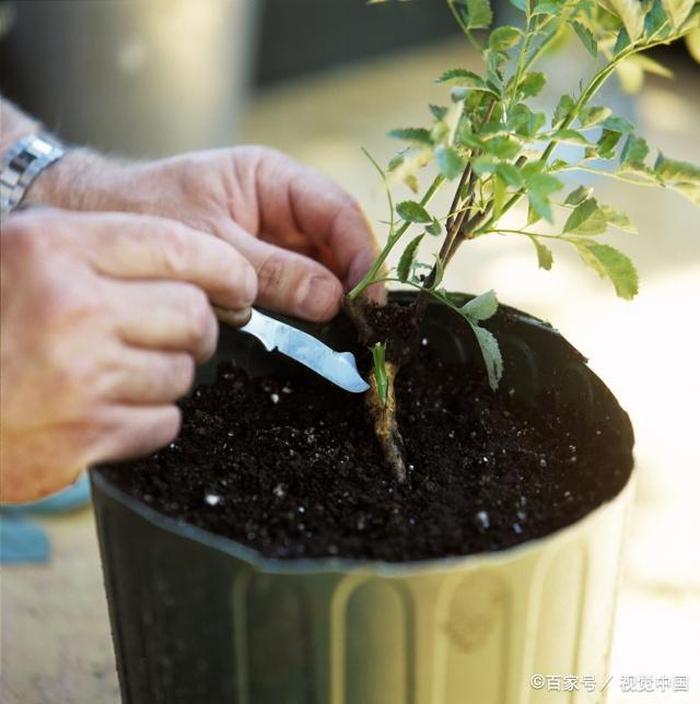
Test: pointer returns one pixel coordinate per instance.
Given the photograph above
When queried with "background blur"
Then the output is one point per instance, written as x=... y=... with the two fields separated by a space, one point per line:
x=319 y=79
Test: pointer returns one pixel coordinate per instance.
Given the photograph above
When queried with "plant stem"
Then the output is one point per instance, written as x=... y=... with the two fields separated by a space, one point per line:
x=369 y=278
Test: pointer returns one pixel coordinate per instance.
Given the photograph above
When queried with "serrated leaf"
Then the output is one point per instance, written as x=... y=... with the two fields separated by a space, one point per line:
x=571 y=136
x=618 y=219
x=634 y=151
x=380 y=377
x=438 y=111
x=510 y=174
x=544 y=253
x=586 y=219
x=631 y=12
x=531 y=84
x=692 y=40
x=564 y=107
x=593 y=115
x=499 y=194
x=532 y=215
x=503 y=38
x=411 y=211
x=618 y=124
x=578 y=195
x=540 y=186
x=586 y=37
x=449 y=162
x=502 y=147
x=610 y=262
x=606 y=145
x=677 y=10
x=435 y=228
x=621 y=42
x=525 y=122
x=395 y=162
x=419 y=135
x=656 y=22
x=406 y=261
x=482 y=307
x=546 y=8
x=477 y=14
x=490 y=352
x=679 y=175
x=460 y=77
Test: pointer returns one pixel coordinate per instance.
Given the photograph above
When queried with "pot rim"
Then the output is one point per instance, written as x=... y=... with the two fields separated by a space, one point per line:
x=318 y=565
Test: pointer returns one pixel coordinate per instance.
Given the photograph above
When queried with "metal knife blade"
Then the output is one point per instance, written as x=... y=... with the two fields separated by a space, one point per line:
x=338 y=367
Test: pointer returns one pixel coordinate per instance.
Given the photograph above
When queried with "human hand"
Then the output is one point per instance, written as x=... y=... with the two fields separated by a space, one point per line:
x=305 y=236
x=103 y=317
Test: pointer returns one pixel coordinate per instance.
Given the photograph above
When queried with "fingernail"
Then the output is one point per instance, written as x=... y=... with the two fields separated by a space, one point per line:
x=321 y=299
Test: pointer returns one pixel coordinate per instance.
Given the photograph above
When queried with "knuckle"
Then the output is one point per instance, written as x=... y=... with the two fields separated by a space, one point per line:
x=183 y=369
x=175 y=252
x=199 y=314
x=271 y=274
x=23 y=237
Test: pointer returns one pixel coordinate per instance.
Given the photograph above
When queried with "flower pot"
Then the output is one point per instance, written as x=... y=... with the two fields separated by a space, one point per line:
x=197 y=617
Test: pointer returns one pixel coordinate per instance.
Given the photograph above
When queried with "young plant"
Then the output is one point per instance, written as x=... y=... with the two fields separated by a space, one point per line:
x=501 y=152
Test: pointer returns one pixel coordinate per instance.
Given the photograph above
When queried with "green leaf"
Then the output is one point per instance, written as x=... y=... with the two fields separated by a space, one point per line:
x=502 y=147
x=678 y=10
x=634 y=151
x=524 y=122
x=656 y=21
x=438 y=111
x=531 y=84
x=622 y=41
x=412 y=134
x=618 y=124
x=547 y=8
x=499 y=194
x=460 y=77
x=505 y=37
x=540 y=186
x=435 y=228
x=380 y=377
x=586 y=37
x=449 y=162
x=605 y=147
x=618 y=219
x=532 y=215
x=510 y=174
x=571 y=136
x=544 y=253
x=610 y=262
x=578 y=195
x=564 y=107
x=491 y=353
x=407 y=258
x=593 y=115
x=477 y=14
x=679 y=175
x=411 y=211
x=631 y=12
x=522 y=5
x=692 y=40
x=586 y=219
x=482 y=307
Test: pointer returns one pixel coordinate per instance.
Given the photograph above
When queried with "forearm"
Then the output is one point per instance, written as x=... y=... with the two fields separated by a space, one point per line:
x=71 y=182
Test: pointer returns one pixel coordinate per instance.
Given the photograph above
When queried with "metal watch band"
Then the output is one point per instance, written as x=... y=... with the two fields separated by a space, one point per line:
x=22 y=163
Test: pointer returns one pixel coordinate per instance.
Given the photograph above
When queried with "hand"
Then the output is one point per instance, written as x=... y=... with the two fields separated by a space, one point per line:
x=305 y=236
x=103 y=317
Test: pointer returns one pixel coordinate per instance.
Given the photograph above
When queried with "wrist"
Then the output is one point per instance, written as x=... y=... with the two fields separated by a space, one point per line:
x=68 y=183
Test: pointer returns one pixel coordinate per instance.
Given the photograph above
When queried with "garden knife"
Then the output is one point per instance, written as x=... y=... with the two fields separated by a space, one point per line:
x=338 y=367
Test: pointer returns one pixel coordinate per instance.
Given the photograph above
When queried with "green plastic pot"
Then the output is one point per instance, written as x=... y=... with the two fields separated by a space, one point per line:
x=198 y=618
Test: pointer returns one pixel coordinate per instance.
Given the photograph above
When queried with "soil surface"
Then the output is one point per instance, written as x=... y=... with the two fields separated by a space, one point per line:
x=291 y=467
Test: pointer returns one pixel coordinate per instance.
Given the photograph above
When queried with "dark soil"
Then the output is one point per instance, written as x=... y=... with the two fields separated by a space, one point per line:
x=290 y=466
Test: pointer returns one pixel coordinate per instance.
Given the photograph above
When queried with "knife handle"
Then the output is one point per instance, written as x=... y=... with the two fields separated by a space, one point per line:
x=235 y=318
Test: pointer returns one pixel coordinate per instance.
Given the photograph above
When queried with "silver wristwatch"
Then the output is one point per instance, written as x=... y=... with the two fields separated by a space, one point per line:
x=22 y=163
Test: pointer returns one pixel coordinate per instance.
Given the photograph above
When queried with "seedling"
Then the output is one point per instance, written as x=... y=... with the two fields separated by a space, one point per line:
x=501 y=152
